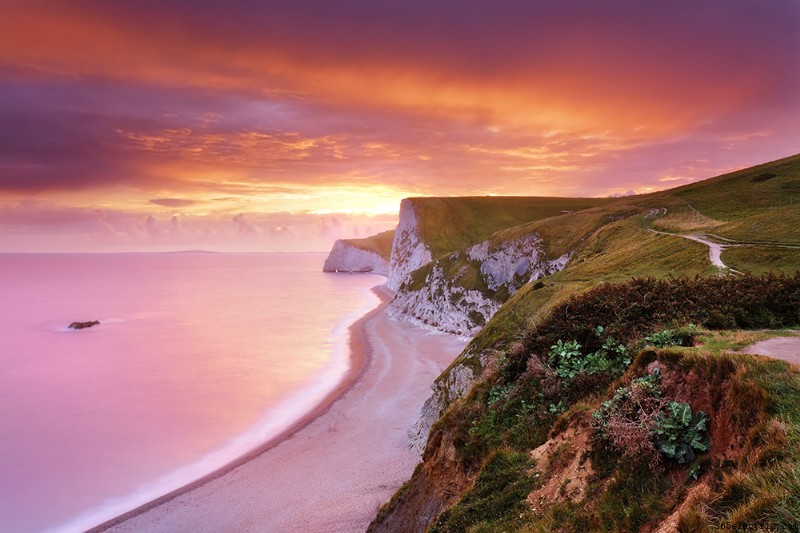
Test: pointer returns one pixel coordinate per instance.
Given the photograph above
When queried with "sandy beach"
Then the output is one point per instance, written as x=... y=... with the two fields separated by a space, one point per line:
x=336 y=467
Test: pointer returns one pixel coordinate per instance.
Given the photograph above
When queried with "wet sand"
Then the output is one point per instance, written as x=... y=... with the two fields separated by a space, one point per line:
x=335 y=468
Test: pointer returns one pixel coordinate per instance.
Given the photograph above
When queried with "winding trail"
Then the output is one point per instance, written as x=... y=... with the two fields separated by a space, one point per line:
x=714 y=249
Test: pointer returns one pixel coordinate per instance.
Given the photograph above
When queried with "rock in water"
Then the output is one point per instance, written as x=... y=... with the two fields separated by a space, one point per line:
x=82 y=325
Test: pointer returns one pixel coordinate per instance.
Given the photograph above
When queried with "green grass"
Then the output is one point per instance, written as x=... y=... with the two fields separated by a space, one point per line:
x=719 y=342
x=780 y=225
x=380 y=243
x=495 y=500
x=762 y=259
x=451 y=224
x=764 y=492
x=747 y=192
x=755 y=205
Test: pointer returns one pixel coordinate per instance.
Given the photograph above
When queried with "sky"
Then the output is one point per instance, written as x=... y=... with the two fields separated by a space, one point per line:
x=258 y=125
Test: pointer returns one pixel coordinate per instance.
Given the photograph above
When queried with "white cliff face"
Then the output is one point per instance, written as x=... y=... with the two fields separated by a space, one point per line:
x=442 y=304
x=345 y=257
x=408 y=251
x=450 y=386
x=513 y=264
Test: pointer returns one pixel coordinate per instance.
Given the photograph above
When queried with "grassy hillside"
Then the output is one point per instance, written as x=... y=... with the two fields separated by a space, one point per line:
x=752 y=212
x=380 y=243
x=613 y=242
x=755 y=208
x=745 y=193
x=480 y=469
x=450 y=224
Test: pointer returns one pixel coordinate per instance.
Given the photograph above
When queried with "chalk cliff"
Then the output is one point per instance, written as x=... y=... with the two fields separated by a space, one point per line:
x=370 y=254
x=344 y=257
x=459 y=293
x=409 y=252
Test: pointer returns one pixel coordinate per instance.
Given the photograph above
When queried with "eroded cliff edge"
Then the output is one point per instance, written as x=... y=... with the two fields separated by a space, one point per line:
x=361 y=255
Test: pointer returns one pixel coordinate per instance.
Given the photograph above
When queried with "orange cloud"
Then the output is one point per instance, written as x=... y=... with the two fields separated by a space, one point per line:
x=592 y=77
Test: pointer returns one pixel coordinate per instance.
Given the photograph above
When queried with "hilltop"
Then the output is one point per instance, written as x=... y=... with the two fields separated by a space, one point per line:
x=497 y=269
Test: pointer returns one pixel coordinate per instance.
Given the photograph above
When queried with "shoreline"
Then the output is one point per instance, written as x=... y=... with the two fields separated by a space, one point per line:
x=336 y=467
x=360 y=355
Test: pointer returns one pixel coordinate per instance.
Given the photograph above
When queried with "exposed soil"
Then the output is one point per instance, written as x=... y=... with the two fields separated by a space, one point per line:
x=564 y=464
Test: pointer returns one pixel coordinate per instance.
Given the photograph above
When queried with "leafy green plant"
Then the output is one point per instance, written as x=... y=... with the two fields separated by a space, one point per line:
x=662 y=339
x=568 y=361
x=683 y=336
x=497 y=394
x=678 y=432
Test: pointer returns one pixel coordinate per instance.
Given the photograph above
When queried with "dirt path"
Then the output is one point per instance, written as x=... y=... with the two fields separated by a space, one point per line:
x=784 y=348
x=714 y=249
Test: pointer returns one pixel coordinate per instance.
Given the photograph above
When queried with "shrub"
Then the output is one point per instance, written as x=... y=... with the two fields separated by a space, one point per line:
x=626 y=420
x=641 y=307
x=662 y=339
x=641 y=424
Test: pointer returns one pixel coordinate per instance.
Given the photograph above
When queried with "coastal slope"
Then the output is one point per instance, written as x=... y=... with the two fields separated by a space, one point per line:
x=751 y=214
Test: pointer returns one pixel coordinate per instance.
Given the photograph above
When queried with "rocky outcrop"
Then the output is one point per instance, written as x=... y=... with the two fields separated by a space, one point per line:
x=451 y=385
x=461 y=292
x=83 y=325
x=346 y=257
x=409 y=252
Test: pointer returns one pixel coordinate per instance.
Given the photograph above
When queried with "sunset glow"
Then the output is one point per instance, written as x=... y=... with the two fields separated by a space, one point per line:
x=282 y=125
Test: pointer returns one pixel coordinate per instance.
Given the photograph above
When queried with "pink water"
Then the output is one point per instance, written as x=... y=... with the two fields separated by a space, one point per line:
x=198 y=359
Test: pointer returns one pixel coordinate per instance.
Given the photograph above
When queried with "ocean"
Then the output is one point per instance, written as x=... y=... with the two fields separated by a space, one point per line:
x=199 y=358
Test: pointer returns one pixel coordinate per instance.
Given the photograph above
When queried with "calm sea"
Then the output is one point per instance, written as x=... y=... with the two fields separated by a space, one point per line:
x=198 y=359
